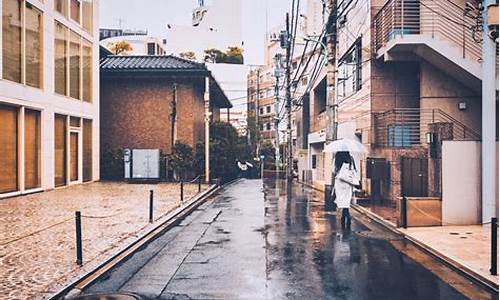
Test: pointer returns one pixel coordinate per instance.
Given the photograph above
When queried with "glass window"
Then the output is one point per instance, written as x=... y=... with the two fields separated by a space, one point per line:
x=11 y=40
x=61 y=6
x=87 y=70
x=74 y=122
x=34 y=61
x=87 y=15
x=87 y=150
x=399 y=136
x=268 y=109
x=151 y=49
x=74 y=66
x=73 y=159
x=60 y=150
x=32 y=148
x=350 y=66
x=8 y=150
x=75 y=10
x=61 y=54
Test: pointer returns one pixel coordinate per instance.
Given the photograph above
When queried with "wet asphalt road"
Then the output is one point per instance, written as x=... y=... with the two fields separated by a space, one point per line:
x=255 y=243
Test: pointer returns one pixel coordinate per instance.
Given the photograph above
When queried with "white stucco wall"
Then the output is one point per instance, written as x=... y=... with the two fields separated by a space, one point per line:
x=461 y=182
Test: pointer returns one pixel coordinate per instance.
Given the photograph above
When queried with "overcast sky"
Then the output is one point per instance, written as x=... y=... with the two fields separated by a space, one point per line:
x=153 y=15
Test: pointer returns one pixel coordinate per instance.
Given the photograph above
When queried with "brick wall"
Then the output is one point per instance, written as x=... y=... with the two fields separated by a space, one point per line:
x=136 y=113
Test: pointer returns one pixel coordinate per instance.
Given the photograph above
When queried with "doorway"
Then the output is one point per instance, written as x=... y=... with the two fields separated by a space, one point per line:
x=414 y=177
x=74 y=159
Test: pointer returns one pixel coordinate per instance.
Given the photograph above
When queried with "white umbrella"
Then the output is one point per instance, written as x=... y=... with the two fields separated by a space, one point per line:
x=345 y=145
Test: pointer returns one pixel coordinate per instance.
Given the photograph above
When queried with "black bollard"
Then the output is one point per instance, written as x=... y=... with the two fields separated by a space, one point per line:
x=182 y=191
x=404 y=212
x=199 y=184
x=494 y=246
x=151 y=206
x=79 y=252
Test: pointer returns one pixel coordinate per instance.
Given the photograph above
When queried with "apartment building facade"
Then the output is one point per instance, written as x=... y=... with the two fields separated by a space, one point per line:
x=409 y=88
x=49 y=100
x=261 y=108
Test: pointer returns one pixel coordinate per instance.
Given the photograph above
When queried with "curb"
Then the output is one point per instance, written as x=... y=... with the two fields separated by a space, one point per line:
x=460 y=268
x=171 y=220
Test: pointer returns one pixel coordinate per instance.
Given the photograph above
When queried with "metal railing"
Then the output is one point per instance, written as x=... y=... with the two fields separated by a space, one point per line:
x=409 y=127
x=440 y=19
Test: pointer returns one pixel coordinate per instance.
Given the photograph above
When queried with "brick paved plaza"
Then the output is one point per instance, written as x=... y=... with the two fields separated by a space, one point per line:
x=37 y=232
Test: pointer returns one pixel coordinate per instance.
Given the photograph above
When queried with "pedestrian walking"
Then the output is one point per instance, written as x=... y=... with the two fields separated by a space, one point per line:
x=243 y=169
x=345 y=180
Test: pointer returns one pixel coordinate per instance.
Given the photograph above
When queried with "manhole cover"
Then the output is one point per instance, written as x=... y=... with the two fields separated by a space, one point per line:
x=110 y=297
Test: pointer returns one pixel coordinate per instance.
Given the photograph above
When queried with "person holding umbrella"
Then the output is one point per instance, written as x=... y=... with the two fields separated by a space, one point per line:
x=344 y=183
x=345 y=174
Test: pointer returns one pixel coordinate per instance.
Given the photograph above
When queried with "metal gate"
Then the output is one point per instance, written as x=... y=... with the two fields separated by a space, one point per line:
x=414 y=177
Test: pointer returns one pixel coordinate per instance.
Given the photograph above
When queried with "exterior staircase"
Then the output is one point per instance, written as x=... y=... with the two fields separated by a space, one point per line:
x=437 y=31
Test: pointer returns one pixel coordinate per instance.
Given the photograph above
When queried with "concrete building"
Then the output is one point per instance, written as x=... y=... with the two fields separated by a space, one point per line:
x=141 y=44
x=261 y=81
x=233 y=81
x=152 y=102
x=261 y=108
x=216 y=24
x=409 y=88
x=49 y=94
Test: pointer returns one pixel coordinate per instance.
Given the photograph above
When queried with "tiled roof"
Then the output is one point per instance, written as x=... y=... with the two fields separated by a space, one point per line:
x=149 y=63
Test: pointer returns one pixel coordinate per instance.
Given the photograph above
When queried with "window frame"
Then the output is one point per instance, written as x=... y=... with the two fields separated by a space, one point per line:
x=23 y=81
x=82 y=40
x=347 y=75
x=21 y=150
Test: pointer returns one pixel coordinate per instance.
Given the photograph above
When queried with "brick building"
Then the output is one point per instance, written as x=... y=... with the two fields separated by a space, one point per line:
x=139 y=94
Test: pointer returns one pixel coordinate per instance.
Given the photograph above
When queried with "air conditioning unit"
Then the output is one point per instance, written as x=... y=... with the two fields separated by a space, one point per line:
x=142 y=164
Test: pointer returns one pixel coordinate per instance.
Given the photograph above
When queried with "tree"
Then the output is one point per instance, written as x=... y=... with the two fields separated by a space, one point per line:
x=226 y=147
x=190 y=55
x=120 y=47
x=214 y=56
x=181 y=159
x=233 y=55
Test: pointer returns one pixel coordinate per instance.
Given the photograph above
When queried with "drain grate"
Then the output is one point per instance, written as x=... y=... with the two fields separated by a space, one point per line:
x=110 y=297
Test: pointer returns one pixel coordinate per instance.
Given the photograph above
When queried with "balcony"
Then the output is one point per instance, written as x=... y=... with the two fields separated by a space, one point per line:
x=437 y=31
x=409 y=127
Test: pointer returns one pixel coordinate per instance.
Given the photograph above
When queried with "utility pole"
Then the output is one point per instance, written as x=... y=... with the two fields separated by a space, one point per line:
x=489 y=208
x=288 y=96
x=207 y=129
x=277 y=75
x=331 y=100
x=174 y=116
x=257 y=128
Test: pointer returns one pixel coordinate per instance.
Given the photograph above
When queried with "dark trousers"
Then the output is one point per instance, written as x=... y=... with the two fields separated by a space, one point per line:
x=346 y=217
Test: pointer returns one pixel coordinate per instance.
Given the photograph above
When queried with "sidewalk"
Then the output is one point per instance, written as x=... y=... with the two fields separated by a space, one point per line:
x=37 y=232
x=465 y=247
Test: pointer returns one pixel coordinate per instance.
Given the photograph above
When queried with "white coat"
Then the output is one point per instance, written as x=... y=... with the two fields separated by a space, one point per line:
x=345 y=180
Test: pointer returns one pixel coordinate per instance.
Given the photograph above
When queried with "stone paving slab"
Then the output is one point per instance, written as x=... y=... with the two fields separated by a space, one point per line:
x=37 y=231
x=466 y=245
